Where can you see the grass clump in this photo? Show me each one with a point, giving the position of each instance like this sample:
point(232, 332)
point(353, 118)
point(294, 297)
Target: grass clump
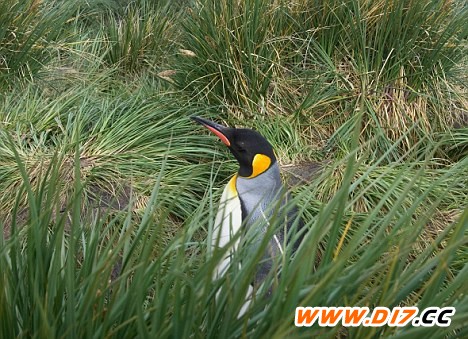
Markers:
point(109, 191)
point(113, 282)
point(28, 33)
point(138, 36)
point(323, 62)
point(122, 145)
point(230, 59)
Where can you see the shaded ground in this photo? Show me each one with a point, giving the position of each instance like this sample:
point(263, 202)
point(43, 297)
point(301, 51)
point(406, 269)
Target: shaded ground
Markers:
point(302, 173)
point(98, 201)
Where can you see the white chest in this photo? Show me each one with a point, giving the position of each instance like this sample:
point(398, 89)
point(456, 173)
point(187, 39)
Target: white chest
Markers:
point(227, 223)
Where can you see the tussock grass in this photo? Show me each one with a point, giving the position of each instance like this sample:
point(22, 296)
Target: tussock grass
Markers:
point(119, 153)
point(27, 36)
point(323, 62)
point(232, 60)
point(109, 191)
point(139, 36)
point(172, 293)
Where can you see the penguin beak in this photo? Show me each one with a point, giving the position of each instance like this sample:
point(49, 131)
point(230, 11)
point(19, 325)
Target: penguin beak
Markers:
point(219, 130)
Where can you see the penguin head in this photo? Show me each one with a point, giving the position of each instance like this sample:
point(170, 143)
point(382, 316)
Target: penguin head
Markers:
point(252, 151)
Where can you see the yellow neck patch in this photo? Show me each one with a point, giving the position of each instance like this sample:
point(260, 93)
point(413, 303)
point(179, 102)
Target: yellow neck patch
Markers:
point(260, 164)
point(232, 185)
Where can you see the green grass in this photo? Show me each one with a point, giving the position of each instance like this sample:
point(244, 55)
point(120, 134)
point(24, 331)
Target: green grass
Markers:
point(27, 35)
point(139, 36)
point(119, 153)
point(109, 190)
point(57, 269)
point(323, 61)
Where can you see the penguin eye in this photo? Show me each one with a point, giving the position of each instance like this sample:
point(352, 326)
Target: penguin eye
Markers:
point(241, 146)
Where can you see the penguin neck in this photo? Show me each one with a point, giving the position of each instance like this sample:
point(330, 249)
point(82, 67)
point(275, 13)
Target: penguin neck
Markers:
point(258, 192)
point(264, 181)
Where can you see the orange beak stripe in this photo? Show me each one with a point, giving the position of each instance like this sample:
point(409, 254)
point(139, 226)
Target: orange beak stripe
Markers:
point(219, 135)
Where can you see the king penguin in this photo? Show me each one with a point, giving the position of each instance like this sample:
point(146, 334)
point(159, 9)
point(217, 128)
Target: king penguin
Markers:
point(250, 195)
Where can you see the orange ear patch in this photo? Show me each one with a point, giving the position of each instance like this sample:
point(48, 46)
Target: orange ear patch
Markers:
point(219, 135)
point(260, 164)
